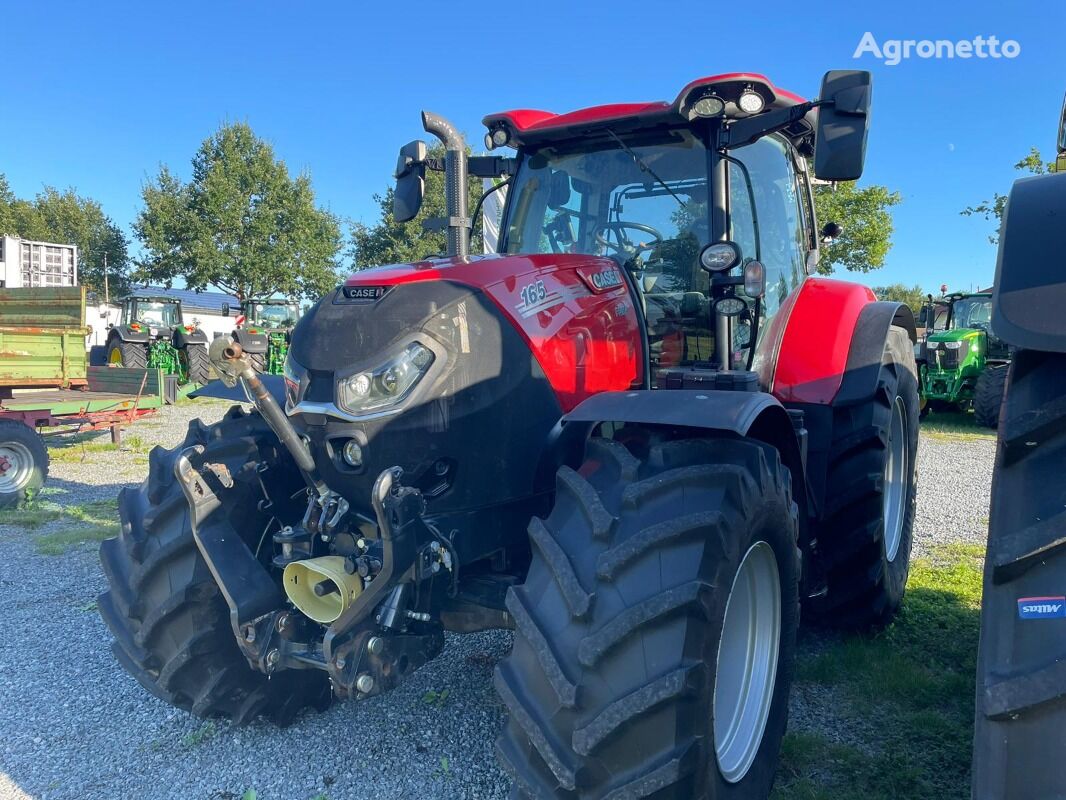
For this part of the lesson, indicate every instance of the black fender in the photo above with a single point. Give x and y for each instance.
(1030, 287)
(868, 348)
(183, 338)
(757, 415)
(251, 342)
(127, 334)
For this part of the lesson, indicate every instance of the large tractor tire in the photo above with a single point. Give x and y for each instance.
(98, 355)
(23, 462)
(127, 354)
(170, 622)
(988, 397)
(864, 541)
(198, 363)
(258, 361)
(656, 629)
(1021, 661)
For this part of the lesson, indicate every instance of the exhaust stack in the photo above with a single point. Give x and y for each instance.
(455, 182)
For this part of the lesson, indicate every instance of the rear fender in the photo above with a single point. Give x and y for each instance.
(183, 338)
(1030, 292)
(127, 334)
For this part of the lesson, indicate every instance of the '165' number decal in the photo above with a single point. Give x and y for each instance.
(533, 293)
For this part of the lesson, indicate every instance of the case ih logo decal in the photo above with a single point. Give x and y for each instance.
(364, 294)
(602, 280)
(1041, 607)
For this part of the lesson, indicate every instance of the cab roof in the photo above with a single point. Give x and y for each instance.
(531, 126)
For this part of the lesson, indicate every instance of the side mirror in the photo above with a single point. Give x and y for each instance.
(831, 231)
(559, 189)
(225, 309)
(840, 139)
(410, 181)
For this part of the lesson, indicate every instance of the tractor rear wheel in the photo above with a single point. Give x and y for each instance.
(127, 354)
(259, 362)
(988, 397)
(23, 462)
(198, 363)
(656, 627)
(864, 542)
(169, 619)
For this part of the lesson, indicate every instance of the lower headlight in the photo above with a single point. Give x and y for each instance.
(386, 385)
(952, 345)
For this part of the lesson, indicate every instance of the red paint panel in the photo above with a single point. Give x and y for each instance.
(814, 347)
(586, 342)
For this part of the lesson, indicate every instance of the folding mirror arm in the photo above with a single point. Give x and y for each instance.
(749, 130)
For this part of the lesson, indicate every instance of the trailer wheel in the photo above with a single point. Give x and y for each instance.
(988, 397)
(864, 541)
(656, 627)
(23, 462)
(127, 354)
(198, 363)
(170, 622)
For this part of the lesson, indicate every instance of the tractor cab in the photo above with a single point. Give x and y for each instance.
(269, 314)
(159, 314)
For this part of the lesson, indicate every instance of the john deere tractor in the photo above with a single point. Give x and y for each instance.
(965, 363)
(623, 435)
(152, 334)
(264, 330)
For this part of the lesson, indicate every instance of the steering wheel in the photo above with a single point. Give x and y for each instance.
(625, 246)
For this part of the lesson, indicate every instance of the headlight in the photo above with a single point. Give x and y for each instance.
(293, 374)
(386, 385)
(952, 345)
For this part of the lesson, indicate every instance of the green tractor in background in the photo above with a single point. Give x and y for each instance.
(965, 364)
(152, 334)
(263, 330)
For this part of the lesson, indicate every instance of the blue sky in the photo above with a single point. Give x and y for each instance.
(98, 95)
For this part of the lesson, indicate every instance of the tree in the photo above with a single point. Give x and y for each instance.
(866, 221)
(241, 224)
(1031, 164)
(914, 296)
(392, 242)
(68, 218)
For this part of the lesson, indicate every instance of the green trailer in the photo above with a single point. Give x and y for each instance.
(47, 388)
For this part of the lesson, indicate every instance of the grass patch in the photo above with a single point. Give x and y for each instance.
(31, 515)
(954, 426)
(56, 543)
(915, 680)
(204, 733)
(77, 452)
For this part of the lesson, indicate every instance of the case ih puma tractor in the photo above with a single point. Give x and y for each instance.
(629, 435)
(264, 331)
(152, 333)
(965, 362)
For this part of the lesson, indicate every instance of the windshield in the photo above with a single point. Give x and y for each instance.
(972, 312)
(273, 315)
(156, 313)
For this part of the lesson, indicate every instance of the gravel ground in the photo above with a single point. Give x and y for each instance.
(74, 725)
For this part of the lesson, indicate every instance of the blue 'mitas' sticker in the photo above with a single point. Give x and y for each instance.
(1041, 607)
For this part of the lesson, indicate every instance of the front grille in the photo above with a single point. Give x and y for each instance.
(946, 359)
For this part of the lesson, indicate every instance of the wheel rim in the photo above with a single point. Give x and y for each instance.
(16, 466)
(896, 471)
(115, 357)
(747, 662)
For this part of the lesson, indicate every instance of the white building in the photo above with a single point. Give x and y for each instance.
(24, 263)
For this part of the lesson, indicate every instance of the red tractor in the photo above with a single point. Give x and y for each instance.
(629, 435)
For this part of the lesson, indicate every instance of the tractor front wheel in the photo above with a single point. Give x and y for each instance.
(656, 627)
(988, 397)
(864, 541)
(198, 364)
(170, 621)
(127, 354)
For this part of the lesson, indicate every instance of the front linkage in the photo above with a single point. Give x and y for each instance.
(365, 653)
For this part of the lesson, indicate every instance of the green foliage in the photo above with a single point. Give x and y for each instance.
(241, 224)
(915, 679)
(867, 222)
(1031, 164)
(202, 734)
(58, 542)
(69, 218)
(392, 242)
(913, 296)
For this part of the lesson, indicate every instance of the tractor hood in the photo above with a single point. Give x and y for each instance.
(955, 335)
